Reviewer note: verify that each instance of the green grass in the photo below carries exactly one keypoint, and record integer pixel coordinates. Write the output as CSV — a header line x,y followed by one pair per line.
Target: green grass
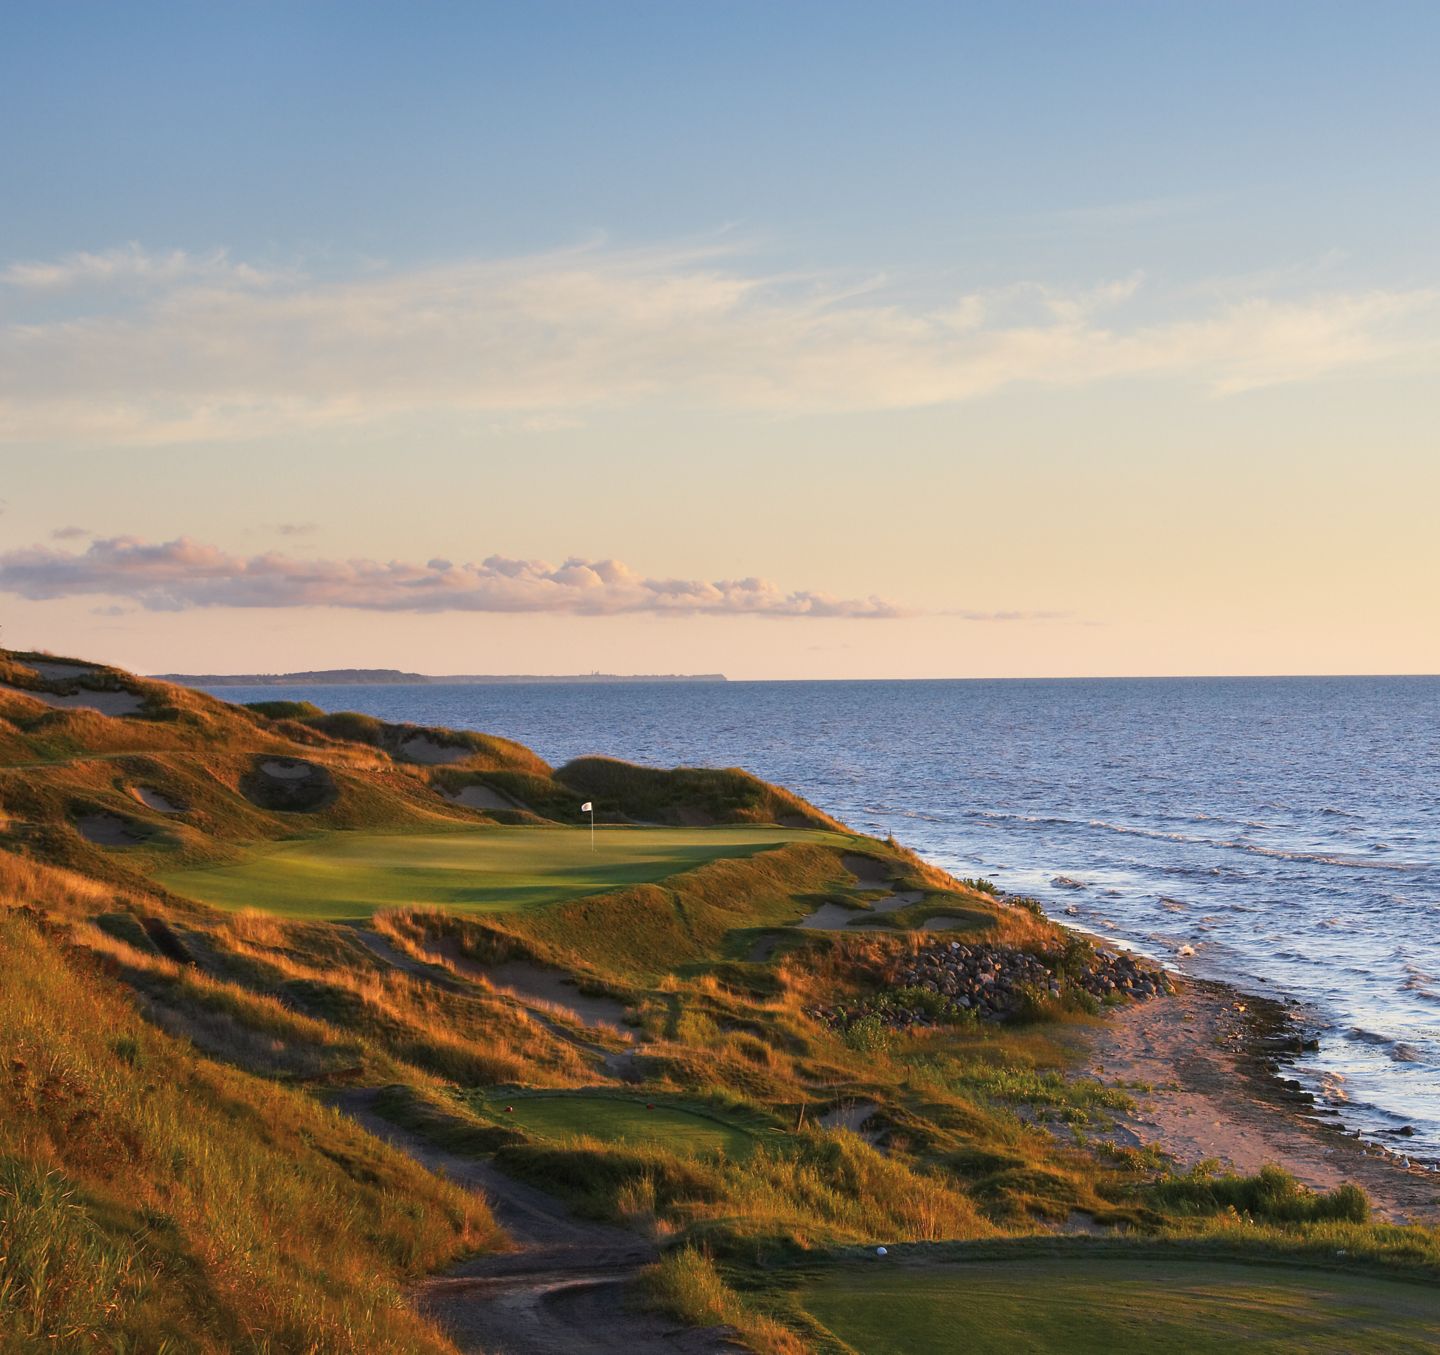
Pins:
x,y
1101,1305
615,1119
484,870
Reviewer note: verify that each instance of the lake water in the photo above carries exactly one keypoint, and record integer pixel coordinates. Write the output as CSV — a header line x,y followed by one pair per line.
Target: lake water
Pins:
x,y
1285,830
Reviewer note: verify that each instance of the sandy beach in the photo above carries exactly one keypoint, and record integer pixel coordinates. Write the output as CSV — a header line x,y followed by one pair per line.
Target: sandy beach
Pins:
x,y
1216,1092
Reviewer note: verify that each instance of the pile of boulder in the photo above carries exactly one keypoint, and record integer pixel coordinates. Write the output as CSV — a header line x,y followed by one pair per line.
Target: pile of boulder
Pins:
x,y
947,982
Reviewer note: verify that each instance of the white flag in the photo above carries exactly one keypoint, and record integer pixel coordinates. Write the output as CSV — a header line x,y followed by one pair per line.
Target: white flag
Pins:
x,y
587,808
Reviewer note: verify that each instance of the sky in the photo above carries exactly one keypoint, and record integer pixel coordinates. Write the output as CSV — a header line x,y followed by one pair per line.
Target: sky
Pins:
x,y
786,341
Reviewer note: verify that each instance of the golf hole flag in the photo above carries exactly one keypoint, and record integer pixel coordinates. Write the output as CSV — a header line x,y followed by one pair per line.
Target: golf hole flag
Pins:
x,y
588,808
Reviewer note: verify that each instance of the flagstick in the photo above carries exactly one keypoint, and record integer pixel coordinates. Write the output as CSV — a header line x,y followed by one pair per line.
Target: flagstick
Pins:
x,y
592,828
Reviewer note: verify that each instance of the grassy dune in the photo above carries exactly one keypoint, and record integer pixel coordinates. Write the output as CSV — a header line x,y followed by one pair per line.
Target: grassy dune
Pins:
x,y
351,875
1095,1307
154,1200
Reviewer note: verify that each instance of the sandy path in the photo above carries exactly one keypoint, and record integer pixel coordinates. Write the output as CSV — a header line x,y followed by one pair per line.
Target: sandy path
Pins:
x,y
1215,1095
563,1288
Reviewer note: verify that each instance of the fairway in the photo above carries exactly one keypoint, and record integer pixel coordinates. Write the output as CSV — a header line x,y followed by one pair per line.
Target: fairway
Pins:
x,y
1096,1306
351,875
619,1120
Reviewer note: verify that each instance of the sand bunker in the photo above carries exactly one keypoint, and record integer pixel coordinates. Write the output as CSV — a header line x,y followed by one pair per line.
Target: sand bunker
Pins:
x,y
530,982
851,1116
480,797
152,799
422,748
287,770
107,703
59,671
871,873
835,917
107,830
896,902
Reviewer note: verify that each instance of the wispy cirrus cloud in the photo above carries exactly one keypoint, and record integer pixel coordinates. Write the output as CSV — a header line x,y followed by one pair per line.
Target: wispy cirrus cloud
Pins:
x,y
210,349
183,574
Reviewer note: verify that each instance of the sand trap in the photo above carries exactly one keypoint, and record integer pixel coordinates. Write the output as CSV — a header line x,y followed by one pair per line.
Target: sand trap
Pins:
x,y
871,873
530,982
480,797
896,902
152,799
107,830
288,770
764,949
835,917
422,748
851,1116
106,703
60,672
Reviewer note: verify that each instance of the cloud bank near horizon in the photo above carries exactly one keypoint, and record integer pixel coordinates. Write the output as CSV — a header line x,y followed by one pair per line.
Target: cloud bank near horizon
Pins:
x,y
128,346
183,574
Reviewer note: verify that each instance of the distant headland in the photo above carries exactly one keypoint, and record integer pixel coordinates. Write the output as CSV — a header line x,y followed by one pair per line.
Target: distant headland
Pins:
x,y
390,677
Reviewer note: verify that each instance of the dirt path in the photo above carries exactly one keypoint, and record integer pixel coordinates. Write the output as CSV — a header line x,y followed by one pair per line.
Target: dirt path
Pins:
x,y
1216,1095
563,1289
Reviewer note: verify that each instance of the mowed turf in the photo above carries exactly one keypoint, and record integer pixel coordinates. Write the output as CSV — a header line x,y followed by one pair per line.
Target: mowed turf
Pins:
x,y
619,1120
1101,1305
351,875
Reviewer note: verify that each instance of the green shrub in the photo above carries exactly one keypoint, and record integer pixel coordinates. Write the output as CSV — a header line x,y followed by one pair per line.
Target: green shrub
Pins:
x,y
1271,1195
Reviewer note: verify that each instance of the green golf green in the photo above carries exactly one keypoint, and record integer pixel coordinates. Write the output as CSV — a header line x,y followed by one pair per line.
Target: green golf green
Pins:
x,y
351,875
1098,1305
619,1120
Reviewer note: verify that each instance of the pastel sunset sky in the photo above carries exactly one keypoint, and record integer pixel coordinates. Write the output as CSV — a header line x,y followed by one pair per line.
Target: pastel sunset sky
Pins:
x,y
781,340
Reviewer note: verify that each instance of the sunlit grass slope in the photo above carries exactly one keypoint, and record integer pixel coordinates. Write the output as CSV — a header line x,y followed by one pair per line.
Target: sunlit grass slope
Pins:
x,y
152,1200
351,875
1097,1306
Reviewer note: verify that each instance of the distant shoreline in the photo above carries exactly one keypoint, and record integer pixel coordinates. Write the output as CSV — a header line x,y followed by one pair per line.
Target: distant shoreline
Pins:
x,y
393,677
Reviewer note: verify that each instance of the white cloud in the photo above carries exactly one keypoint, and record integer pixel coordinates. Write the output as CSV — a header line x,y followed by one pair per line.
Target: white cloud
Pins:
x,y
127,266
183,574
209,349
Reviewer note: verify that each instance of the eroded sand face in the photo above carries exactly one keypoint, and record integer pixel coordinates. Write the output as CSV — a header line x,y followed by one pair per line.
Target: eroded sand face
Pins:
x,y
152,799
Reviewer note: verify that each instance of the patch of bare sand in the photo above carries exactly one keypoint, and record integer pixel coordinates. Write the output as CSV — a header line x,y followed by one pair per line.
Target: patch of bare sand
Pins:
x,y
534,985
871,874
422,748
152,799
107,830
851,1115
1214,1095
58,671
836,917
287,769
480,797
106,703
